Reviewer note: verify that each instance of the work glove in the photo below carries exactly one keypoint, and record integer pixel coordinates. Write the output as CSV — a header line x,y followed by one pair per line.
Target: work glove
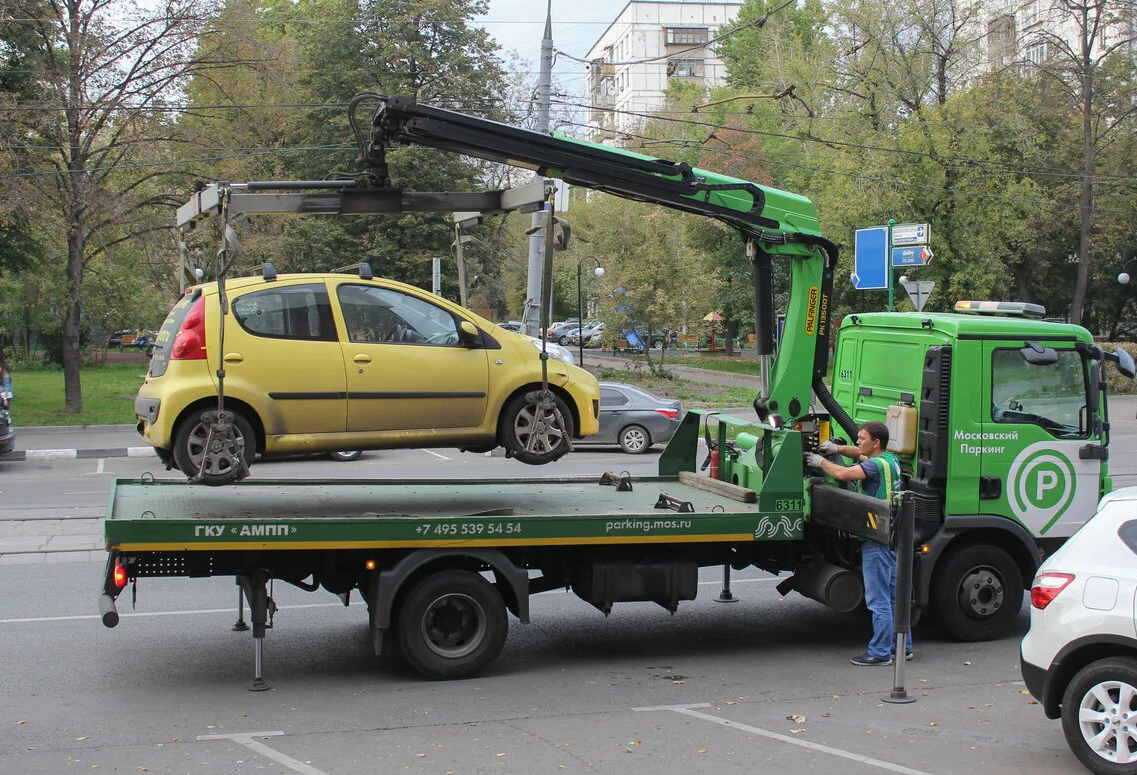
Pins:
x,y
826,448
814,460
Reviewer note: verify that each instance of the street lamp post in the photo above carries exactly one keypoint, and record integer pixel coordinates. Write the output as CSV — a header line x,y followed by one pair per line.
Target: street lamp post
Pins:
x,y
599,272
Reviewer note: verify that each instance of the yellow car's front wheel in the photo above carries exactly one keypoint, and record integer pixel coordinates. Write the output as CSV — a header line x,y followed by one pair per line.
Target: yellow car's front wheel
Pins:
x,y
536,427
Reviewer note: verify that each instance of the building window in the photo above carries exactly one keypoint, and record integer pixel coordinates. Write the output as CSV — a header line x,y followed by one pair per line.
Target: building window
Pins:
x,y
685,68
687,36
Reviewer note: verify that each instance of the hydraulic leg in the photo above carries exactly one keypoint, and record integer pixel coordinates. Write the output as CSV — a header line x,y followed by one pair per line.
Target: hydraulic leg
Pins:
x,y
240,625
256,589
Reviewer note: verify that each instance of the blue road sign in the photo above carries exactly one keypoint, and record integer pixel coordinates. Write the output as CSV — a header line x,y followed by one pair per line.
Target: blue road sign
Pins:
x,y
909,256
870,259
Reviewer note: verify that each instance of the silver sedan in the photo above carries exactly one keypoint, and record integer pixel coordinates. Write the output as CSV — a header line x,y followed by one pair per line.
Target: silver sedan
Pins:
x,y
634,418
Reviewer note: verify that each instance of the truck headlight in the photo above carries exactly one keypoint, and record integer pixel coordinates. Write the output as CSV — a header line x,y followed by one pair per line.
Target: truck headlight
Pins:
x,y
562,354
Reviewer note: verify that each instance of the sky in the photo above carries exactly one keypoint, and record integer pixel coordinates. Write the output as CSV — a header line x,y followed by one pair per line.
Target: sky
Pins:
x,y
577,24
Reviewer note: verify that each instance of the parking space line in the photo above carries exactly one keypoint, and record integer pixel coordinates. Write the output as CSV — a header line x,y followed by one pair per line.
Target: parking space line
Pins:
x,y
246,739
689,710
440,457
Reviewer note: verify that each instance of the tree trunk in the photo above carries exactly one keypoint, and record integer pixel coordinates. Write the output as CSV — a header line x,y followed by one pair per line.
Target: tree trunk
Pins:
x,y
72,321
1085,243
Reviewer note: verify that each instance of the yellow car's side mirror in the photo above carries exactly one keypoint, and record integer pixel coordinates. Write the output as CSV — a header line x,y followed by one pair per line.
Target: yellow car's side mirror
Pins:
x,y
468,334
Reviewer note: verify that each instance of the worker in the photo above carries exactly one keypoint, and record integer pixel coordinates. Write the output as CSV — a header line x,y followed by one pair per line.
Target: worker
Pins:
x,y
877,473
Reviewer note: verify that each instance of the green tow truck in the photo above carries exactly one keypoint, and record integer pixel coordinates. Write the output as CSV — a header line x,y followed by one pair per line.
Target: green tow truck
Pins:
x,y
1001,424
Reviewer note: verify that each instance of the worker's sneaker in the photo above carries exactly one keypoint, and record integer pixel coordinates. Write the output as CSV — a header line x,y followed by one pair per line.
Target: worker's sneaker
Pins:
x,y
866,660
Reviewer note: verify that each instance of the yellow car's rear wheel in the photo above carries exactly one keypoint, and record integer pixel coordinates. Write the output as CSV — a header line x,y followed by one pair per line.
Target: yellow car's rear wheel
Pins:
x,y
190,448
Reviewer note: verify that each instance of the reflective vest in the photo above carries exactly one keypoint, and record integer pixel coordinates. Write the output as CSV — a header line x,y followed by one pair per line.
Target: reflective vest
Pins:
x,y
889,469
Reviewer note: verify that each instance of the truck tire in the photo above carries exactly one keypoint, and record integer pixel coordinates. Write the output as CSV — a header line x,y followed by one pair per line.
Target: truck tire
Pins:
x,y
189,446
1099,700
635,440
977,593
523,419
451,625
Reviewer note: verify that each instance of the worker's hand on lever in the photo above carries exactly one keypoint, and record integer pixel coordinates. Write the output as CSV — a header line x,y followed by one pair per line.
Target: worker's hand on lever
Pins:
x,y
827,448
814,460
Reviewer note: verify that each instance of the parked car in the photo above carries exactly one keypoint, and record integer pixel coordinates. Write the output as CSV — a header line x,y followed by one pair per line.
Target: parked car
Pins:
x,y
586,334
7,435
327,362
511,325
1079,658
634,418
559,331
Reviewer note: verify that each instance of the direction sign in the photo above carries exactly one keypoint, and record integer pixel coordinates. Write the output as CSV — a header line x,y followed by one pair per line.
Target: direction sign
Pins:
x,y
911,234
919,292
870,259
913,256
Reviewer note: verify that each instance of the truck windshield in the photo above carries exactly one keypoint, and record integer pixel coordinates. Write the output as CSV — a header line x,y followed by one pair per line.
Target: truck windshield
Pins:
x,y
1053,397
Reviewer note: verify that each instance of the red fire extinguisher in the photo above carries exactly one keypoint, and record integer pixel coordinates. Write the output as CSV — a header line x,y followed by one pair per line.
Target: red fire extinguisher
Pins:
x,y
714,464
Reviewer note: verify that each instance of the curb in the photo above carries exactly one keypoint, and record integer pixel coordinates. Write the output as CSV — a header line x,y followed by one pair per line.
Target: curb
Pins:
x,y
69,454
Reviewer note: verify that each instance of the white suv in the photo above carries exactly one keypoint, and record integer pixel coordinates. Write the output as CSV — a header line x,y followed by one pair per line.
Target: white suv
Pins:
x,y
1079,658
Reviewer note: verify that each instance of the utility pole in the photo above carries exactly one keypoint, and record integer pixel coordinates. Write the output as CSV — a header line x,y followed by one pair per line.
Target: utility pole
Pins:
x,y
531,319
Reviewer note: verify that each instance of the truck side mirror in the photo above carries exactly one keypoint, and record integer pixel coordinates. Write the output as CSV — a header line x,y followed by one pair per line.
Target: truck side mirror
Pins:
x,y
468,334
1037,355
1124,363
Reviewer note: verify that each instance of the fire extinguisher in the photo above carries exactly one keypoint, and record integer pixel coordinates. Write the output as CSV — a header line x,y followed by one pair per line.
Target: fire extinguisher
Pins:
x,y
714,464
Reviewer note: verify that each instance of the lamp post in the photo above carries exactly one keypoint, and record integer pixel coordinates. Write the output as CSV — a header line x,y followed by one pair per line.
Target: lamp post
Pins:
x,y
599,272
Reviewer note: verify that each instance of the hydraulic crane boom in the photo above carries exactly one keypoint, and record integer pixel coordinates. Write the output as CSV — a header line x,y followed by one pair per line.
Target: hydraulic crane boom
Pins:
x,y
774,223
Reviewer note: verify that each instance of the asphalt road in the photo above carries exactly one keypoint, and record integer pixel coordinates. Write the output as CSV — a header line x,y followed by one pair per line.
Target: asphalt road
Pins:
x,y
762,685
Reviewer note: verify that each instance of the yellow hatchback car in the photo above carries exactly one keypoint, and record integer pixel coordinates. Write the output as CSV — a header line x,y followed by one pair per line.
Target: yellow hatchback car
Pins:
x,y
327,362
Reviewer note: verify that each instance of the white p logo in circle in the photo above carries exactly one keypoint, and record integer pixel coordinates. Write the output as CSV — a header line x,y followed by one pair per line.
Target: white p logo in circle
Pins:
x,y
1040,486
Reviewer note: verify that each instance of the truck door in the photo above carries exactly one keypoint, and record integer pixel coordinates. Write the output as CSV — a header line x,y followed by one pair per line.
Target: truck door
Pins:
x,y
406,368
1040,462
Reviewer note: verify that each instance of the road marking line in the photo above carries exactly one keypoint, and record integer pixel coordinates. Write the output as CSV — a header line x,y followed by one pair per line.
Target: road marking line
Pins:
x,y
688,710
140,614
246,739
440,457
101,466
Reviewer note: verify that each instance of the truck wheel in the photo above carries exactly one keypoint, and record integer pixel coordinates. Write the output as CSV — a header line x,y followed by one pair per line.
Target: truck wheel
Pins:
x,y
189,447
1099,716
978,593
452,624
635,440
525,420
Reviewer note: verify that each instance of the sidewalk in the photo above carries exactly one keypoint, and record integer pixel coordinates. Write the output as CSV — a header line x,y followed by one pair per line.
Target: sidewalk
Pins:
x,y
61,442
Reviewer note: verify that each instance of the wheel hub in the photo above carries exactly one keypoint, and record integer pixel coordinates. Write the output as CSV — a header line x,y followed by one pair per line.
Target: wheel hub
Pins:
x,y
454,626
1106,719
981,593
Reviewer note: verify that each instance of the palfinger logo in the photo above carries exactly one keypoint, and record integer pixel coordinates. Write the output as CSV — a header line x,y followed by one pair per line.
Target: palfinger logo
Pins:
x,y
1042,483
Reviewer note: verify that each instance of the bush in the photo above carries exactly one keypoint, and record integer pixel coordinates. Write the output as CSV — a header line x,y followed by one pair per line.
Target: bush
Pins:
x,y
1115,383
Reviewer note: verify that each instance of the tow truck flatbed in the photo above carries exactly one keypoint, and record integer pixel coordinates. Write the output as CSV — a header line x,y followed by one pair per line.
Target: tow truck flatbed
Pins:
x,y
171,515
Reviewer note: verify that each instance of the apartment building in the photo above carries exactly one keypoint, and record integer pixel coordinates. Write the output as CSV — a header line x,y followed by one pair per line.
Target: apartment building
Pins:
x,y
1023,33
648,46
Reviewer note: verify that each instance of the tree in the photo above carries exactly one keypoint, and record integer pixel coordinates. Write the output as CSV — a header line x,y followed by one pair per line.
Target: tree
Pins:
x,y
106,72
1082,68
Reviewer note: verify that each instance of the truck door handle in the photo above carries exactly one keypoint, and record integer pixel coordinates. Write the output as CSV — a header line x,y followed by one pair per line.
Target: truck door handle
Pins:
x,y
1093,452
990,488
362,358
234,358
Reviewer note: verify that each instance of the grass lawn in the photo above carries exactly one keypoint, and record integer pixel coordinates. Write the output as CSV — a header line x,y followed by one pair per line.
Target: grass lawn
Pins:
x,y
108,396
739,364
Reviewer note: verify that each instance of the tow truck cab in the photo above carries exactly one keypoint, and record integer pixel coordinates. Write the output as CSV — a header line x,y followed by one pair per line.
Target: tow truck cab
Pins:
x,y
1006,445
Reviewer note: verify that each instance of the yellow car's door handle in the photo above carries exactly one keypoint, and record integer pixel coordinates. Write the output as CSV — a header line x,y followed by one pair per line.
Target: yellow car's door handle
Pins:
x,y
234,358
362,358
